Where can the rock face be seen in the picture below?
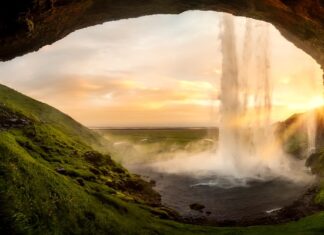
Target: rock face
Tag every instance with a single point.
(28, 25)
(9, 119)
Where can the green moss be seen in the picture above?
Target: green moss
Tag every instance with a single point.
(296, 144)
(46, 114)
(320, 196)
(30, 25)
(316, 162)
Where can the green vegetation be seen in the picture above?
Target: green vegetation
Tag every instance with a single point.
(293, 134)
(45, 114)
(296, 145)
(316, 163)
(137, 146)
(172, 136)
(53, 181)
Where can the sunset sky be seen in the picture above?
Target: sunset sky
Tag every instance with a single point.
(160, 70)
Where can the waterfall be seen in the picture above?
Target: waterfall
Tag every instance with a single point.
(311, 126)
(311, 122)
(246, 137)
(228, 136)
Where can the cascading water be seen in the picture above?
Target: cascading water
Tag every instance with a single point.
(311, 122)
(311, 132)
(247, 145)
(228, 132)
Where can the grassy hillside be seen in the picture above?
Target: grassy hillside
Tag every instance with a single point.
(136, 146)
(43, 113)
(53, 182)
(293, 132)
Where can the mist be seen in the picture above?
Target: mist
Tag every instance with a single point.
(245, 148)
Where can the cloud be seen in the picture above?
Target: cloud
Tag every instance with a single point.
(120, 90)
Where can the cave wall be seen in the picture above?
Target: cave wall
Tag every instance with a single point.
(27, 25)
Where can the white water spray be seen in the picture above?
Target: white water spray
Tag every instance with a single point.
(247, 145)
(228, 132)
(311, 125)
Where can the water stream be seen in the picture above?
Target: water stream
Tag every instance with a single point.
(247, 144)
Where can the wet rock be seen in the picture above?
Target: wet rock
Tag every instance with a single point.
(104, 172)
(10, 119)
(110, 184)
(135, 185)
(80, 182)
(119, 170)
(153, 182)
(139, 190)
(165, 213)
(61, 170)
(197, 207)
(89, 215)
(94, 171)
(46, 149)
(93, 157)
(97, 159)
(25, 144)
(89, 178)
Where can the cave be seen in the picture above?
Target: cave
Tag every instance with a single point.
(32, 25)
(29, 26)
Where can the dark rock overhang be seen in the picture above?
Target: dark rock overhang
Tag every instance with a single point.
(27, 25)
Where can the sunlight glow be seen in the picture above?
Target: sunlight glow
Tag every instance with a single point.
(99, 74)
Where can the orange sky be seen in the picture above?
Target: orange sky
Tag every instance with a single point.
(160, 70)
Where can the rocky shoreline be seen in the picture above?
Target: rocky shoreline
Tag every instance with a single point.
(304, 206)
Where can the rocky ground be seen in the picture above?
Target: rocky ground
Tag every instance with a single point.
(9, 119)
